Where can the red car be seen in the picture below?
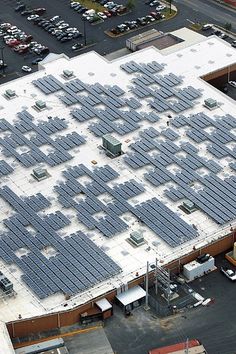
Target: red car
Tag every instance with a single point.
(13, 43)
(107, 13)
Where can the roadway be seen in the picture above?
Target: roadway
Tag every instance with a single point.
(218, 13)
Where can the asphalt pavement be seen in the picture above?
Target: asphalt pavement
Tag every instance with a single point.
(188, 10)
(220, 14)
(214, 325)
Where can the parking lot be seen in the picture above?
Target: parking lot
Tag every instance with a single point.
(96, 39)
(213, 325)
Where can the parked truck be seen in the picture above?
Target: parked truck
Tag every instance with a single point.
(229, 273)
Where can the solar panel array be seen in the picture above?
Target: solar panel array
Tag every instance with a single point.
(31, 154)
(77, 263)
(119, 114)
(216, 196)
(112, 223)
(164, 88)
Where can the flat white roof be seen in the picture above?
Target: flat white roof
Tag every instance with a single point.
(189, 63)
(131, 295)
(5, 340)
(103, 304)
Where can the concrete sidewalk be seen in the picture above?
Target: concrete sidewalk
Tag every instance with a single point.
(94, 342)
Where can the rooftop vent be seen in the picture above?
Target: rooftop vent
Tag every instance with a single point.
(9, 94)
(40, 173)
(40, 105)
(68, 74)
(136, 238)
(210, 103)
(111, 145)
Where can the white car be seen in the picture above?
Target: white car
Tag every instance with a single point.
(102, 15)
(232, 83)
(207, 26)
(26, 69)
(32, 17)
(160, 7)
(109, 3)
(64, 26)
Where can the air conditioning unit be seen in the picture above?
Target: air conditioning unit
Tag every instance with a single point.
(10, 94)
(111, 145)
(210, 103)
(68, 74)
(189, 206)
(6, 284)
(40, 105)
(40, 173)
(137, 238)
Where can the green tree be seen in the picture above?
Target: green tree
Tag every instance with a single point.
(130, 4)
(228, 26)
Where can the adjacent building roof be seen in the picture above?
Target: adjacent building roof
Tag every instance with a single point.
(131, 295)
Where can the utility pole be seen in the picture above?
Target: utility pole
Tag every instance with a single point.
(85, 34)
(170, 1)
(186, 351)
(156, 278)
(168, 289)
(3, 64)
(146, 307)
(228, 73)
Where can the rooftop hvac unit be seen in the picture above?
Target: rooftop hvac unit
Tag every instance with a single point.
(40, 105)
(40, 173)
(210, 103)
(68, 74)
(189, 206)
(6, 284)
(111, 145)
(9, 94)
(137, 238)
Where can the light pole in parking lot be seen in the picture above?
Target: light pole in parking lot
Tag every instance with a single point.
(2, 57)
(170, 1)
(85, 36)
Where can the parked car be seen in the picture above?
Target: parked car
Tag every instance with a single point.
(217, 32)
(154, 3)
(160, 7)
(2, 64)
(102, 15)
(77, 46)
(20, 7)
(141, 21)
(36, 61)
(223, 36)
(32, 17)
(149, 19)
(131, 24)
(26, 69)
(27, 12)
(13, 42)
(232, 83)
(207, 26)
(39, 11)
(107, 13)
(229, 273)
